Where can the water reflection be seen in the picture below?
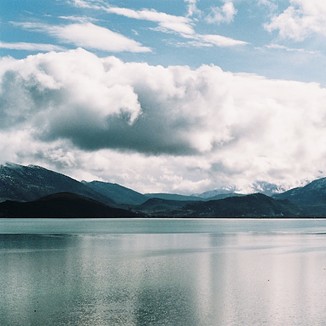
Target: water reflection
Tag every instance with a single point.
(163, 279)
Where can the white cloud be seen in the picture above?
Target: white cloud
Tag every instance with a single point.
(165, 21)
(182, 26)
(160, 128)
(95, 37)
(221, 41)
(300, 20)
(192, 8)
(30, 46)
(270, 4)
(88, 35)
(78, 19)
(87, 3)
(276, 46)
(223, 14)
(209, 40)
(178, 24)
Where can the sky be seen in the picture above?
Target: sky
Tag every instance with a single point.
(178, 96)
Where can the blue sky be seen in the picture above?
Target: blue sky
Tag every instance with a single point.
(170, 95)
(263, 51)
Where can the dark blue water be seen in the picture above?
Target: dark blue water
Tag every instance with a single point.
(162, 272)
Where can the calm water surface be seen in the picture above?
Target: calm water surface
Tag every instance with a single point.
(162, 272)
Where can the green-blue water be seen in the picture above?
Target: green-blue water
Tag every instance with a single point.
(162, 272)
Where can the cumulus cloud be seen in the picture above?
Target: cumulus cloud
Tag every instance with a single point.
(165, 128)
(87, 35)
(300, 19)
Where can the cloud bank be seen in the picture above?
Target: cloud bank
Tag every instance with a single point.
(165, 128)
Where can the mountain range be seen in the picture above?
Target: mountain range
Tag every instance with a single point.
(33, 191)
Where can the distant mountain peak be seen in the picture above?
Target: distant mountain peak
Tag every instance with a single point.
(267, 188)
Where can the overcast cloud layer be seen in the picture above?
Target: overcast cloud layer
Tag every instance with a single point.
(159, 128)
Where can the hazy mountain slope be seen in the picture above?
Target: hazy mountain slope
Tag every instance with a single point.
(26, 183)
(61, 205)
(119, 194)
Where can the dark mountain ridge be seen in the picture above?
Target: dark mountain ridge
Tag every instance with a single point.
(254, 205)
(175, 197)
(61, 205)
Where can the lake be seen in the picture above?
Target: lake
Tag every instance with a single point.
(162, 272)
